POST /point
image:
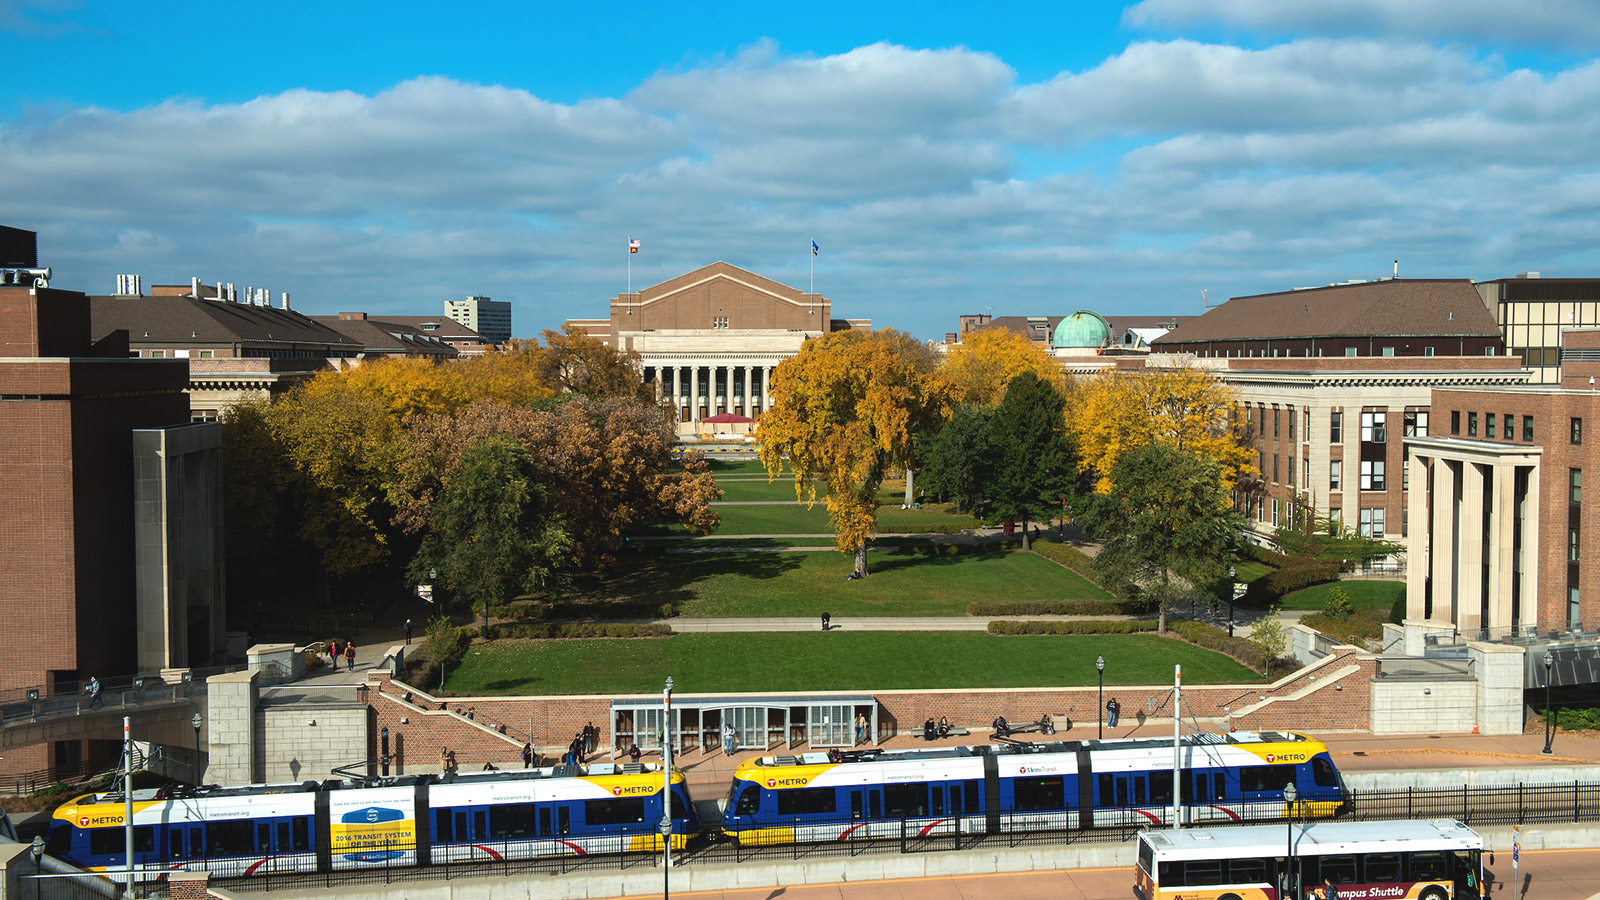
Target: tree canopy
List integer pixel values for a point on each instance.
(1036, 468)
(987, 360)
(846, 409)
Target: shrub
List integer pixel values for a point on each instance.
(566, 630)
(1067, 555)
(1074, 626)
(1397, 612)
(1264, 556)
(446, 644)
(1139, 607)
(1357, 627)
(1270, 588)
(1337, 604)
(668, 610)
(1213, 638)
(314, 660)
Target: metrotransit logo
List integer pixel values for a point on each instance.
(633, 790)
(797, 781)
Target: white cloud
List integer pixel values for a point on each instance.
(1569, 23)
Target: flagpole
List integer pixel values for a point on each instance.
(630, 268)
(813, 265)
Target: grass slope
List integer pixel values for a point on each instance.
(807, 584)
(835, 661)
(1363, 595)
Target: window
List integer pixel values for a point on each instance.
(1455, 421)
(1370, 524)
(719, 321)
(103, 841)
(749, 802)
(1427, 351)
(1572, 606)
(158, 354)
(1275, 414)
(1291, 471)
(1388, 351)
(1574, 486)
(1039, 793)
(1372, 475)
(1262, 417)
(1336, 428)
(1405, 522)
(229, 839)
(1577, 431)
(1415, 423)
(1375, 427)
(1488, 426)
(807, 802)
(905, 800)
(1572, 545)
(1291, 424)
(1349, 351)
(1335, 469)
(1527, 428)
(508, 821)
(1274, 512)
(1265, 778)
(1275, 468)
(1472, 424)
(1428, 866)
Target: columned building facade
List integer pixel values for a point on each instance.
(710, 339)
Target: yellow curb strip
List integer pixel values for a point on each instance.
(1493, 754)
(828, 884)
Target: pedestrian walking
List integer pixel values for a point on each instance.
(472, 713)
(408, 632)
(444, 760)
(527, 755)
(94, 693)
(333, 653)
(727, 738)
(349, 656)
(825, 620)
(861, 728)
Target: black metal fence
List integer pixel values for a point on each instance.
(1566, 802)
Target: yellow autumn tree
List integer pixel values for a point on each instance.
(1186, 408)
(845, 412)
(985, 361)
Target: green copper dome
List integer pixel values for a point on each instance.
(1082, 329)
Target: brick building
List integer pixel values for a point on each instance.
(87, 437)
(414, 336)
(1498, 542)
(711, 338)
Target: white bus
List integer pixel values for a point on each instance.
(1438, 859)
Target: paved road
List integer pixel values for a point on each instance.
(1546, 875)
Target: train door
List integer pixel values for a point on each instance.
(857, 805)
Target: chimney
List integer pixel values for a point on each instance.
(233, 296)
(1397, 268)
(285, 299)
(194, 287)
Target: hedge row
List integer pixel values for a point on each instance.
(1265, 556)
(1211, 637)
(948, 549)
(1061, 608)
(1268, 589)
(1076, 626)
(1067, 555)
(562, 630)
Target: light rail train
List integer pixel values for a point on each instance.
(399, 821)
(1026, 787)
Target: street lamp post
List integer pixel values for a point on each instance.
(196, 723)
(1289, 796)
(1549, 716)
(1233, 575)
(666, 789)
(1100, 666)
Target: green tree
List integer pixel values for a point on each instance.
(846, 410)
(1270, 637)
(1167, 515)
(1337, 604)
(959, 459)
(490, 535)
(1328, 540)
(1036, 465)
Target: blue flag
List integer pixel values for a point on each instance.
(813, 248)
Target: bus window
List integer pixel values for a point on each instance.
(1322, 772)
(1160, 788)
(749, 801)
(1040, 794)
(1381, 868)
(1247, 871)
(1340, 869)
(1201, 871)
(1428, 866)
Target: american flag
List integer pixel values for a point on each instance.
(633, 245)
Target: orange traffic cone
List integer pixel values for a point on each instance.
(1474, 729)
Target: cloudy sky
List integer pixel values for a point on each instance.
(1028, 159)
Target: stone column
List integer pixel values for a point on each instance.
(1502, 530)
(1417, 543)
(1469, 590)
(1444, 541)
(694, 393)
(1532, 612)
(747, 407)
(230, 721)
(766, 381)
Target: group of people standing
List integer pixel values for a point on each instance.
(583, 744)
(345, 650)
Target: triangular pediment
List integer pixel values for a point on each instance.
(729, 273)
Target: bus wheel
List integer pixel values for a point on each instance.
(1434, 893)
(1229, 897)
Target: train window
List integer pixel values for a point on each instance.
(515, 820)
(873, 810)
(1426, 866)
(1106, 789)
(563, 820)
(855, 804)
(1039, 793)
(60, 842)
(175, 843)
(544, 821)
(972, 797)
(229, 838)
(109, 841)
(1247, 871)
(807, 802)
(443, 829)
(1382, 867)
(1265, 778)
(625, 811)
(197, 843)
(1322, 772)
(264, 836)
(936, 805)
(302, 834)
(1339, 869)
(1139, 797)
(905, 800)
(284, 841)
(1160, 787)
(680, 809)
(749, 801)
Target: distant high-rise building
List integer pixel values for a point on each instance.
(490, 318)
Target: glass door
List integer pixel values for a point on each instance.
(829, 726)
(647, 729)
(749, 727)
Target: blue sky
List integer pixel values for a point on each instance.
(948, 158)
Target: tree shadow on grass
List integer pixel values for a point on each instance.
(641, 587)
(896, 561)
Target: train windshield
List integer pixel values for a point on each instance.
(59, 844)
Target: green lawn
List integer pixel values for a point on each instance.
(1247, 570)
(808, 584)
(737, 467)
(799, 519)
(782, 489)
(840, 660)
(1363, 595)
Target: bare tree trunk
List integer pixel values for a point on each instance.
(861, 561)
(911, 478)
(486, 618)
(1027, 539)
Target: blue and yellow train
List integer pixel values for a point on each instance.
(400, 821)
(1026, 787)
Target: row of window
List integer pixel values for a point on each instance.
(214, 839)
(1341, 869)
(1507, 427)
